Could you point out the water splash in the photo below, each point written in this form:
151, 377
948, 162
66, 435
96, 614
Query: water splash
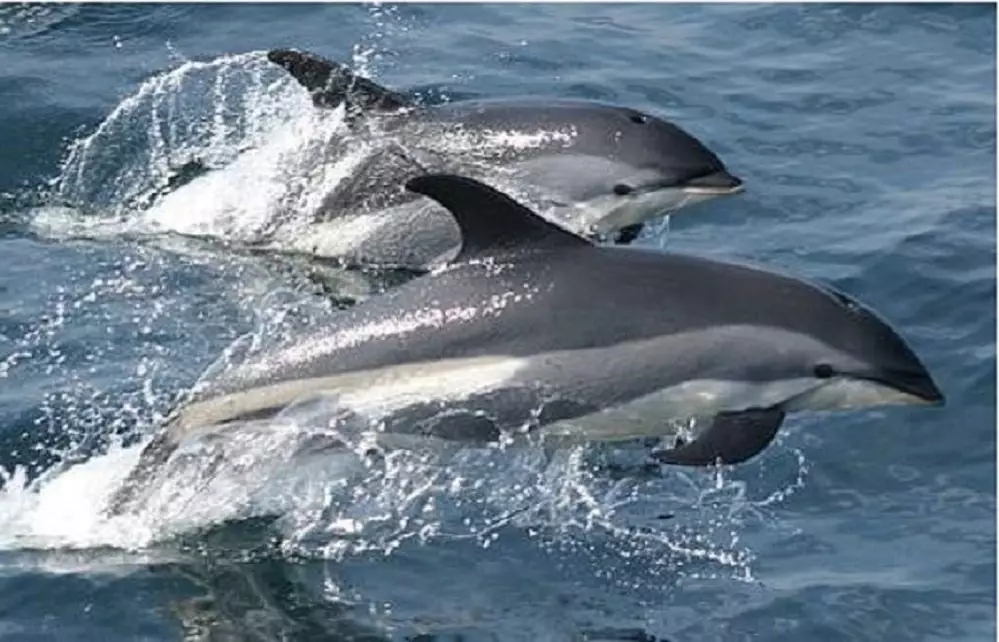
239, 115
259, 158
358, 499
229, 151
209, 110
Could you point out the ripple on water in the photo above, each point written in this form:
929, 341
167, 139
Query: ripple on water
866, 134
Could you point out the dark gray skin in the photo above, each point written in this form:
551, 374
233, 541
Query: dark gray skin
607, 171
594, 328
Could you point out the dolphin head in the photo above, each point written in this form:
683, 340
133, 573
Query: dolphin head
596, 168
715, 336
859, 360
624, 167
663, 170
782, 342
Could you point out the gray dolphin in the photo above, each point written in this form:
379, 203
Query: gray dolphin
535, 330
598, 170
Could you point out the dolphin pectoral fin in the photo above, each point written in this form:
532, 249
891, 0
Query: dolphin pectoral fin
489, 220
175, 179
731, 438
331, 83
628, 234
186, 173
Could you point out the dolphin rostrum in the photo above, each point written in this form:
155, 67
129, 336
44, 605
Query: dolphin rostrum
533, 330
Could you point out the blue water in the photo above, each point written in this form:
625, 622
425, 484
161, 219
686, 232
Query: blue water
866, 137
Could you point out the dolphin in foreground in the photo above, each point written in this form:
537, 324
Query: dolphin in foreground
598, 170
533, 330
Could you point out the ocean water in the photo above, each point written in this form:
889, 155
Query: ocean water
866, 136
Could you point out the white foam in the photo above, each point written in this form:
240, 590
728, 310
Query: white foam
242, 117
270, 186
61, 509
64, 508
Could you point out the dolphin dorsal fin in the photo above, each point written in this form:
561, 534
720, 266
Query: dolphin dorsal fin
489, 220
731, 438
331, 83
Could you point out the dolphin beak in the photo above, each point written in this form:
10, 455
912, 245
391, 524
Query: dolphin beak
717, 183
916, 383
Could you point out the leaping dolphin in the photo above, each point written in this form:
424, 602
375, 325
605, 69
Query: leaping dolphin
599, 170
536, 330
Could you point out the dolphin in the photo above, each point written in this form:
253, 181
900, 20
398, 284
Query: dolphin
535, 331
596, 169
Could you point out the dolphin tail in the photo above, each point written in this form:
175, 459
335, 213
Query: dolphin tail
330, 83
731, 438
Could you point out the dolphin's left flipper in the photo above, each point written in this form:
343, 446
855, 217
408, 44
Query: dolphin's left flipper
331, 83
628, 234
731, 438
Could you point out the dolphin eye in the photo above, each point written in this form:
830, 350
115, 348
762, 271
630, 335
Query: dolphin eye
824, 371
639, 119
623, 190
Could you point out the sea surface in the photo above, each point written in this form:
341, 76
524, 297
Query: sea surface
866, 136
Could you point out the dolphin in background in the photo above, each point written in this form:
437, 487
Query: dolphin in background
538, 332
598, 170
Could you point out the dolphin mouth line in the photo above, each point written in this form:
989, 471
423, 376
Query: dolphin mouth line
918, 386
715, 183
713, 191
691, 190
842, 393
